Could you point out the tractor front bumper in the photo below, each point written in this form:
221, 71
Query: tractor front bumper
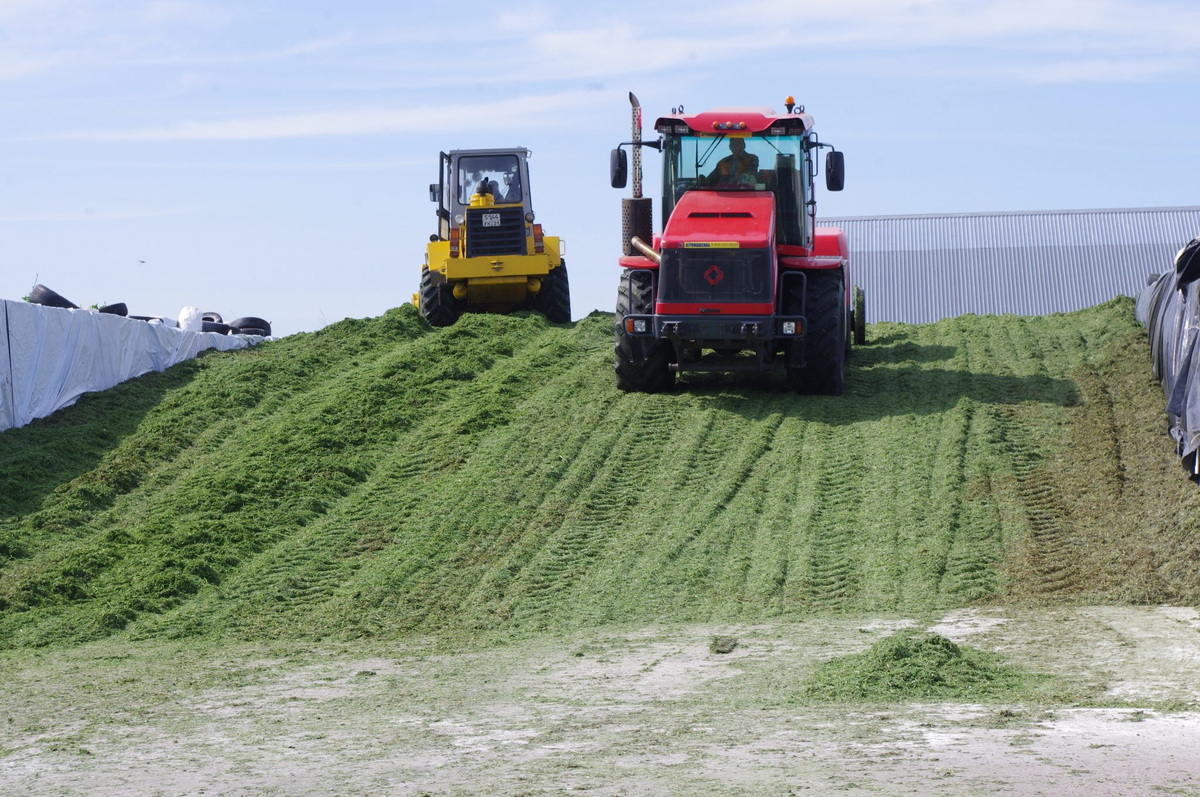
717, 329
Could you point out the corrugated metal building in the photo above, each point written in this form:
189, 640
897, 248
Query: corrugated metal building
924, 268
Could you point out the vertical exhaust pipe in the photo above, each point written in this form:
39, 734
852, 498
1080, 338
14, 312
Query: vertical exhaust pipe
637, 214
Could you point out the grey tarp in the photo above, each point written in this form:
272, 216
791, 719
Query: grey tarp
1170, 308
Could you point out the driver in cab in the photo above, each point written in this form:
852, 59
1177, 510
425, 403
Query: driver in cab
737, 167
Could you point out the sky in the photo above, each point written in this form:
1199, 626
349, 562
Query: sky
273, 159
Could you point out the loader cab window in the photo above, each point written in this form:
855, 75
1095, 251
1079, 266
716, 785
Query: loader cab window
744, 163
502, 174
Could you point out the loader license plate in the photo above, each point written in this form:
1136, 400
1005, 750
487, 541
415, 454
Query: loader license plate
491, 219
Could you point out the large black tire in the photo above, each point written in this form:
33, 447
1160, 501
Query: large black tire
48, 298
214, 318
860, 316
213, 326
824, 371
262, 333
119, 308
437, 301
554, 299
251, 322
643, 365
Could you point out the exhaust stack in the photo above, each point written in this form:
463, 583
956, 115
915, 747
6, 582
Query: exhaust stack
637, 213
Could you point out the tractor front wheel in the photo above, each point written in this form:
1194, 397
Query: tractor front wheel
438, 305
824, 370
643, 364
554, 299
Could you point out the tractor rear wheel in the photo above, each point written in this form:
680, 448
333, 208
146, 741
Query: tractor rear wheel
554, 299
824, 371
437, 301
643, 365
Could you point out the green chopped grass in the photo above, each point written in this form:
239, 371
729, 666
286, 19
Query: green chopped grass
916, 665
383, 479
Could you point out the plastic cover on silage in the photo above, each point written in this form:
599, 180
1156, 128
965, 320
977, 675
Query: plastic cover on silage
1170, 308
51, 356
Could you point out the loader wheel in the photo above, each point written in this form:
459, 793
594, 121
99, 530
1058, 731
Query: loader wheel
643, 365
554, 299
437, 301
860, 316
824, 371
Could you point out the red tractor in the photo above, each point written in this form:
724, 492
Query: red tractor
741, 277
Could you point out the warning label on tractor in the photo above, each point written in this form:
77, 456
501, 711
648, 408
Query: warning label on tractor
711, 245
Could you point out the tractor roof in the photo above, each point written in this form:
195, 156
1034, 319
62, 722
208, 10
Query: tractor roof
750, 119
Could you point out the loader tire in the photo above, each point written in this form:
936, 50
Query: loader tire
860, 316
824, 371
643, 365
437, 301
554, 299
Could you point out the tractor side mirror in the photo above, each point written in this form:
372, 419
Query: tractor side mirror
434, 190
618, 167
835, 171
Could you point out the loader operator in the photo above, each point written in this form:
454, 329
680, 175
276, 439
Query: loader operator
737, 167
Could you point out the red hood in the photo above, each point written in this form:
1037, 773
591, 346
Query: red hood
746, 218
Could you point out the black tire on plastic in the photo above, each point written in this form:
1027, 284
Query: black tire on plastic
438, 305
643, 365
860, 316
220, 329
252, 322
115, 309
251, 331
214, 318
48, 298
824, 371
554, 299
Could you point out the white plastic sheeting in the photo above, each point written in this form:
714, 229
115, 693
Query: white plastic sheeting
49, 357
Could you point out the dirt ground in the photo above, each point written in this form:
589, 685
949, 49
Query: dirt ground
613, 712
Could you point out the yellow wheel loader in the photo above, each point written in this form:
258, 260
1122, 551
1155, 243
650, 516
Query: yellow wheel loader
489, 254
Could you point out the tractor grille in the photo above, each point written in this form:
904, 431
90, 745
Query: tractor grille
495, 231
715, 275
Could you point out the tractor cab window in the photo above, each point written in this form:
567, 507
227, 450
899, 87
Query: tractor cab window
499, 175
740, 163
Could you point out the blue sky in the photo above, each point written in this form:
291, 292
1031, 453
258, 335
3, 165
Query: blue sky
272, 158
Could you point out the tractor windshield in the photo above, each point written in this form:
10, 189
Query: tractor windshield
499, 175
740, 163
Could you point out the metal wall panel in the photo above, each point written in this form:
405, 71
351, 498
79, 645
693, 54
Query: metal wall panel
920, 269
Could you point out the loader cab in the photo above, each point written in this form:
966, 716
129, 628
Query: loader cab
501, 175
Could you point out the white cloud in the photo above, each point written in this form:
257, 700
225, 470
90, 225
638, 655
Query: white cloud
514, 114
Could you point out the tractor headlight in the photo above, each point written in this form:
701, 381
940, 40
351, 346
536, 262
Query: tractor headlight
529, 217
789, 327
459, 219
639, 325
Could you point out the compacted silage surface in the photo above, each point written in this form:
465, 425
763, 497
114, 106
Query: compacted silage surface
381, 478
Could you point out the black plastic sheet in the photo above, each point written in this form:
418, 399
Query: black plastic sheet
1169, 306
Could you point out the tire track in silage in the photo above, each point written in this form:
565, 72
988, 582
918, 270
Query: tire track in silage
599, 512
827, 576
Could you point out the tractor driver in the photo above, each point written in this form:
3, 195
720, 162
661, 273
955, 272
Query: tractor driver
737, 167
